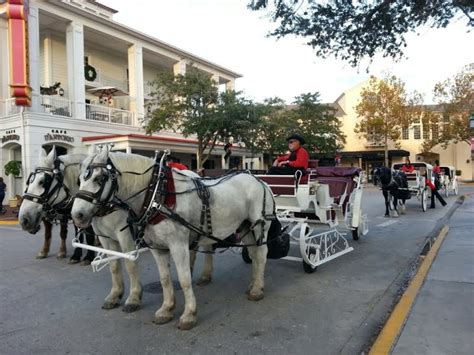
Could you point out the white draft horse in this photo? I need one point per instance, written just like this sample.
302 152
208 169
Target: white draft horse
239 201
107 228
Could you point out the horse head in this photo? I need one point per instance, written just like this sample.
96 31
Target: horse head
97 186
384 175
44 192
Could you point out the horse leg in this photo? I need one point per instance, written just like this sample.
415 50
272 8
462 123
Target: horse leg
165 313
47 240
76 255
115 295
90 240
258 254
403 207
180 255
206 276
395 206
387 203
63 234
134 298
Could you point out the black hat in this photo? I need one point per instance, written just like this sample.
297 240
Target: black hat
297 137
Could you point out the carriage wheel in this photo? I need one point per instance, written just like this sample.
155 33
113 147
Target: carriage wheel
424 200
446 191
246 256
308 268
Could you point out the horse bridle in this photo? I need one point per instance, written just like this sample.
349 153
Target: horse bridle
50 191
109 172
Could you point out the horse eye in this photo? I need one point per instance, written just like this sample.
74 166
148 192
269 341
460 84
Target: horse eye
87 174
40 182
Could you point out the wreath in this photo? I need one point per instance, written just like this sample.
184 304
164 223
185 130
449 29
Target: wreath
90 73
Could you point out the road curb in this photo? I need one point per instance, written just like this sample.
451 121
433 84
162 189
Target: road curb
394 325
8 223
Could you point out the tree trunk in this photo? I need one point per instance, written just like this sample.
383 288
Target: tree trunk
386 151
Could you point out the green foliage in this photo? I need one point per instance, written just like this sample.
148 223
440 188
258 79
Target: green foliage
275 121
191 104
385 108
13 167
352 30
455 98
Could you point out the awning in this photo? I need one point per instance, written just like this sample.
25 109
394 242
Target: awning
368 154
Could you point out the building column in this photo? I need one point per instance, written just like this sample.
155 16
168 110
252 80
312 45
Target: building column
48 60
4 60
360 163
180 68
243 162
34 57
223 162
230 85
135 77
75 69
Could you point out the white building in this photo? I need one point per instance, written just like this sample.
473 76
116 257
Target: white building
78 44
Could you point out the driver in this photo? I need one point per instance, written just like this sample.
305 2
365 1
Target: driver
296 159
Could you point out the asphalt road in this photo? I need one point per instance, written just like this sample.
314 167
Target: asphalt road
50 307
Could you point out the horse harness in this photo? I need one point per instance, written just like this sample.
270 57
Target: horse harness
60 211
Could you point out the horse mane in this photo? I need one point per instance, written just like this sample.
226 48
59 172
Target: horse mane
131 183
72 169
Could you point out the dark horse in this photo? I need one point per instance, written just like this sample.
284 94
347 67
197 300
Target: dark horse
392 182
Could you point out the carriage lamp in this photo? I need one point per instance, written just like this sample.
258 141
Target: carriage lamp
61 92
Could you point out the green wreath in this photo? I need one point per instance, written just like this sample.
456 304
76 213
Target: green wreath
90 73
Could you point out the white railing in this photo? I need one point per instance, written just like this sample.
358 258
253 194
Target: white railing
108 114
8 107
55 105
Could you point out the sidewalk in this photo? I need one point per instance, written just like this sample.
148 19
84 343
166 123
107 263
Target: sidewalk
442 318
10 216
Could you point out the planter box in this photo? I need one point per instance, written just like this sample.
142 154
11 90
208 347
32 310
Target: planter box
13 203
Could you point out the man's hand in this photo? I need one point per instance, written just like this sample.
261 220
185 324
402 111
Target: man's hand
282 163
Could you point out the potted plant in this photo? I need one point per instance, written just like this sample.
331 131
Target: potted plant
458 172
13 167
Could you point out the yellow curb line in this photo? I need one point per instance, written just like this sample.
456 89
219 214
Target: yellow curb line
9 222
394 325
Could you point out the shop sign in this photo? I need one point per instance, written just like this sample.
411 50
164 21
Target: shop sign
10 137
58 137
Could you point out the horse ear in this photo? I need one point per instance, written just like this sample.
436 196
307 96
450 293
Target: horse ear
42 153
52 153
103 154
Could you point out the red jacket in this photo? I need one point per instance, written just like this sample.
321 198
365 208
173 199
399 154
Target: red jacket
407 169
176 165
302 158
437 169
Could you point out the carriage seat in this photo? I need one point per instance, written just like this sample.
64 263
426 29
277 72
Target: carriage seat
340 181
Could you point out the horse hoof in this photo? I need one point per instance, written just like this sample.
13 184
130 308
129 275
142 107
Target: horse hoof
162 319
85 262
255 296
204 281
74 261
187 325
129 308
61 256
41 256
110 305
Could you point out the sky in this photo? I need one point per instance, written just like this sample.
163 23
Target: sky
225 32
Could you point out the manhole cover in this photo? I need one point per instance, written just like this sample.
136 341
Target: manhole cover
155 287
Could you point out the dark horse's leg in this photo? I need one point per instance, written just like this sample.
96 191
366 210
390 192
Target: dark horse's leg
395 202
47 240
76 256
387 202
63 234
90 239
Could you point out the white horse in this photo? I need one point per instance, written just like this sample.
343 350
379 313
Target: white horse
108 228
236 202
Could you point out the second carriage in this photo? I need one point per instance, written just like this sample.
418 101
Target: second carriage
448 180
417 181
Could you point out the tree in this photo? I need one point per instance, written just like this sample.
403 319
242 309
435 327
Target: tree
352 30
192 105
455 98
385 108
317 123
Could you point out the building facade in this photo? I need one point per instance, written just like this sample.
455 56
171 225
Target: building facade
90 78
367 155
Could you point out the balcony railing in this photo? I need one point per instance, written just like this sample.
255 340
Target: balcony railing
108 114
8 107
56 105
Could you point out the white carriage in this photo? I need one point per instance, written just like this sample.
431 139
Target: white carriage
448 180
417 181
306 205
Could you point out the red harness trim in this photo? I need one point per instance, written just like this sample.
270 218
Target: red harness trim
170 199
